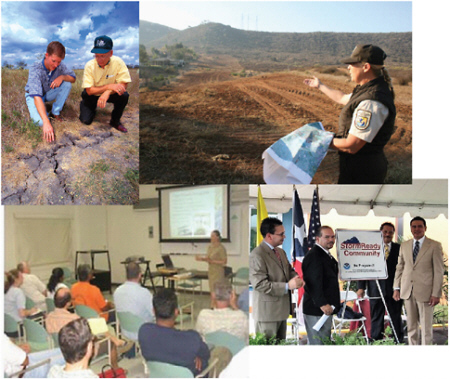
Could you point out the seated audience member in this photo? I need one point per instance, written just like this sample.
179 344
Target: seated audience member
55 282
32 286
76 344
161 342
61 316
18 357
226 316
132 297
15 299
84 293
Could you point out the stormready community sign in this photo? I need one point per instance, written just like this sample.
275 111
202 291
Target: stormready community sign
360 254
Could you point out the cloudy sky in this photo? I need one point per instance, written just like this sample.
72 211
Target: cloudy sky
28 27
284 16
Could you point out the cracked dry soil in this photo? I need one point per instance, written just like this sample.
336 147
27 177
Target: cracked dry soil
90 166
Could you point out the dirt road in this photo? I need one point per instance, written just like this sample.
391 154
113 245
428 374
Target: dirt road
201 130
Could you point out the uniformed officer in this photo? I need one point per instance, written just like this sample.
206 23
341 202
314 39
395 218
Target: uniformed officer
367 120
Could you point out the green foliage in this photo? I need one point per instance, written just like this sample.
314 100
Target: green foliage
158 78
261 339
143 56
132 176
440 314
353 286
7 65
21 65
178 51
354 338
8 149
99 167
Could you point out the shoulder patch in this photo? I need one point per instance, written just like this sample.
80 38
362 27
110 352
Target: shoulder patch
362 119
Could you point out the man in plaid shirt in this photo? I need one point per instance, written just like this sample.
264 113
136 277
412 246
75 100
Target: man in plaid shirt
48 80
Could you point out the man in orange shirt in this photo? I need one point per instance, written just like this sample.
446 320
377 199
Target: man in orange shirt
84 293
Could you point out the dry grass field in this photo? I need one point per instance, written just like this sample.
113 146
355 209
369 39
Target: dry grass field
213 123
86 164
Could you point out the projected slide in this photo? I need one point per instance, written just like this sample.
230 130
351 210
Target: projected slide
192 213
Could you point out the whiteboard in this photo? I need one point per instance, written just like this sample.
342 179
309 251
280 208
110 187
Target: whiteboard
233 247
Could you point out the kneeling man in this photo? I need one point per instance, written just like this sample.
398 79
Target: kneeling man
48 80
105 80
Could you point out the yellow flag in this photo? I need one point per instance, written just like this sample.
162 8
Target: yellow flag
261 214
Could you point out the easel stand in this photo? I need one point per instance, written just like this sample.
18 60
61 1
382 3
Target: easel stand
296 320
387 311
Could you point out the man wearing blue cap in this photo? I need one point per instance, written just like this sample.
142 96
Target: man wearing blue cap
105 80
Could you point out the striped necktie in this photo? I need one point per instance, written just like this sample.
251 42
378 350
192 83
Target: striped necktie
416 251
278 256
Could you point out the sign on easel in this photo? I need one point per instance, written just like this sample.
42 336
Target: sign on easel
360 255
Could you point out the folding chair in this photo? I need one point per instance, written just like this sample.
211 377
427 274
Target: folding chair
338 322
50 304
89 313
36 336
231 342
11 326
240 277
19 374
186 313
167 370
129 322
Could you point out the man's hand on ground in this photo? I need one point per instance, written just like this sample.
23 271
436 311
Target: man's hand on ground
49 135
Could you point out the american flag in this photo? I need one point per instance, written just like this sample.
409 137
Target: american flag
314 219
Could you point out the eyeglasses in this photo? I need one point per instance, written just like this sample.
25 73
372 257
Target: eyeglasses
279 234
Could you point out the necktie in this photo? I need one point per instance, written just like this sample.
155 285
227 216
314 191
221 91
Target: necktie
278 255
416 251
386 251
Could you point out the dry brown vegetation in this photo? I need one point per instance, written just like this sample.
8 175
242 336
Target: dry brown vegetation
86 164
211 126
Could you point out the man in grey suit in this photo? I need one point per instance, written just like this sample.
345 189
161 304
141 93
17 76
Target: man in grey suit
418 280
272 278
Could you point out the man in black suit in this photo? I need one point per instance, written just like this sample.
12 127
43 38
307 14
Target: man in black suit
377 309
320 274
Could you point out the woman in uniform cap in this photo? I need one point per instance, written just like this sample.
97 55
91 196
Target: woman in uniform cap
367 120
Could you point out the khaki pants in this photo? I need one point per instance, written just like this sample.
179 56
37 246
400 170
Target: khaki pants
273 328
419 314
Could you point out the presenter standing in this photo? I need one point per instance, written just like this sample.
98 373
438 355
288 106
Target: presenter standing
216 257
367 120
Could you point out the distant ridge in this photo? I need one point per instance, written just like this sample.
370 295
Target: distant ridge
284 48
149 31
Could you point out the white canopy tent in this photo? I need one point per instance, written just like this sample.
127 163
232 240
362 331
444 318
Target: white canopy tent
427 198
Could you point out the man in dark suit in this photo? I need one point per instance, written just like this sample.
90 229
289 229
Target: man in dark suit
377 309
320 273
272 278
